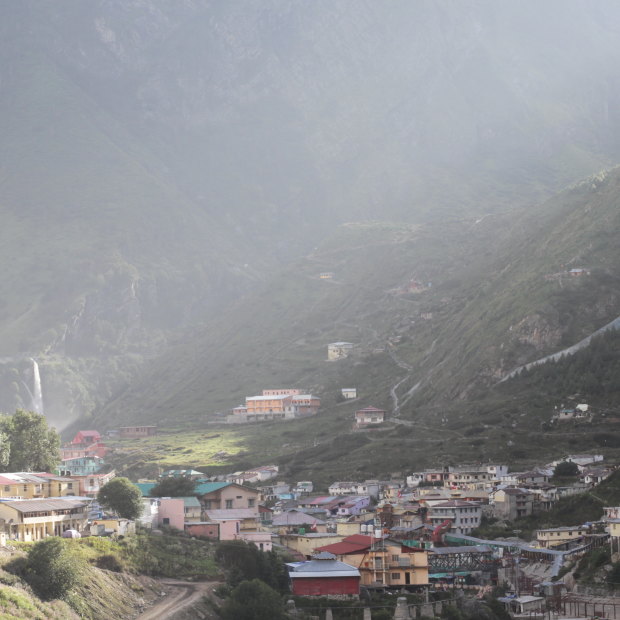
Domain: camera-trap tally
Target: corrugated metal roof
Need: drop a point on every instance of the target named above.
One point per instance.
(296, 517)
(323, 568)
(191, 502)
(232, 513)
(208, 487)
(145, 488)
(44, 505)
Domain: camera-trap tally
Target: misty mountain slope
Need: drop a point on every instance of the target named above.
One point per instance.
(490, 306)
(279, 335)
(526, 305)
(286, 111)
(160, 159)
(102, 256)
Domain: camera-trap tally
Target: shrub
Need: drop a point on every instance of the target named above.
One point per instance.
(253, 600)
(110, 562)
(52, 569)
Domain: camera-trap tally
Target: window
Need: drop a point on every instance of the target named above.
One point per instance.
(70, 485)
(208, 504)
(395, 558)
(396, 576)
(251, 502)
(7, 487)
(166, 521)
(229, 503)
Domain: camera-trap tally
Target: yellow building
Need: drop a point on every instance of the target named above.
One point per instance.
(33, 519)
(307, 543)
(388, 563)
(559, 535)
(116, 526)
(24, 485)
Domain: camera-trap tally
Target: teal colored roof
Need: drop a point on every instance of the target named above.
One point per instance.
(209, 487)
(191, 502)
(200, 489)
(145, 487)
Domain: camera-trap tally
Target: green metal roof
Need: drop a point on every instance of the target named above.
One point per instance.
(200, 489)
(209, 487)
(444, 575)
(145, 488)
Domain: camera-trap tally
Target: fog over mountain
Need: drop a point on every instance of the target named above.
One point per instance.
(161, 160)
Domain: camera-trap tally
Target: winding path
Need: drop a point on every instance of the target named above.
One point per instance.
(183, 594)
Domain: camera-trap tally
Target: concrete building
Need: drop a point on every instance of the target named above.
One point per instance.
(323, 575)
(512, 503)
(555, 536)
(465, 516)
(338, 350)
(34, 519)
(369, 416)
(137, 432)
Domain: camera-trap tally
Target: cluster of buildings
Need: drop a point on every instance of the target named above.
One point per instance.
(579, 413)
(36, 505)
(278, 404)
(83, 461)
(377, 534)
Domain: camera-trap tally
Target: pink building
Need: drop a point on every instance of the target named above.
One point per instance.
(172, 512)
(207, 529)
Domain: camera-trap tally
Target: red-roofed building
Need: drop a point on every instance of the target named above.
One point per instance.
(84, 444)
(86, 437)
(351, 549)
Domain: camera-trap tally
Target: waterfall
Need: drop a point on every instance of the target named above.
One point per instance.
(37, 397)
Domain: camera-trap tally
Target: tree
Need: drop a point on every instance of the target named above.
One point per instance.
(30, 445)
(121, 496)
(52, 569)
(174, 487)
(253, 600)
(244, 562)
(565, 469)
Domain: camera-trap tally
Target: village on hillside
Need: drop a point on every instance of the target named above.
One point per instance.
(416, 534)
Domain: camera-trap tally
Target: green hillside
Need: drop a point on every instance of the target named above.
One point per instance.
(174, 176)
(90, 239)
(486, 313)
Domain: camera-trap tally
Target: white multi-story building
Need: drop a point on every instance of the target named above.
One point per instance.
(465, 516)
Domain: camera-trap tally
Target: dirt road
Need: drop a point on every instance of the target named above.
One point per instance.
(182, 594)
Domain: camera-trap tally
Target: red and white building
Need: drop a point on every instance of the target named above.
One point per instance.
(369, 416)
(324, 576)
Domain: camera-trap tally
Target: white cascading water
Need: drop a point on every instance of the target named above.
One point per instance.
(37, 396)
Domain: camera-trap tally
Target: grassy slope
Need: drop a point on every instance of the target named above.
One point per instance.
(120, 590)
(104, 257)
(279, 337)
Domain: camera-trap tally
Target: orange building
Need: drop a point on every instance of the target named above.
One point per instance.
(279, 404)
(276, 404)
